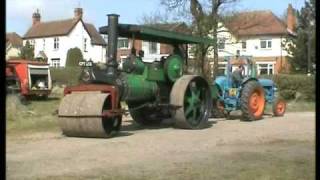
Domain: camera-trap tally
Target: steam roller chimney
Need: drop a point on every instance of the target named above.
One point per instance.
(112, 44)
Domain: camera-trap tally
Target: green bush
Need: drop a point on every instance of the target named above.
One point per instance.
(294, 86)
(74, 56)
(67, 76)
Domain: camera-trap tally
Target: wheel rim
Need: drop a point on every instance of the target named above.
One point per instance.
(256, 103)
(280, 107)
(194, 105)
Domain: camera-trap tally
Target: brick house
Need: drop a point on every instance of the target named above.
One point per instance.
(53, 39)
(259, 34)
(153, 51)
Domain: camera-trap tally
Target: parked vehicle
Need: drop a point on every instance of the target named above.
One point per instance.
(28, 78)
(250, 96)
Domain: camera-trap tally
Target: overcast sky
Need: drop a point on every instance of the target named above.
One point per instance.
(19, 12)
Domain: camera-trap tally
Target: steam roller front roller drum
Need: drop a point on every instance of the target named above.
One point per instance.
(80, 115)
(191, 94)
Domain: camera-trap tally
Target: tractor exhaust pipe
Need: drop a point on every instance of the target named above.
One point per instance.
(112, 44)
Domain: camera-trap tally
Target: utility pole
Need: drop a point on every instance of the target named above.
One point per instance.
(309, 47)
(309, 53)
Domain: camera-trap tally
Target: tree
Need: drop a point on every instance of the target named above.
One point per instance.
(303, 44)
(27, 51)
(74, 56)
(205, 21)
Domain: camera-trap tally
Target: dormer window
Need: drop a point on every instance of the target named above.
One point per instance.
(56, 43)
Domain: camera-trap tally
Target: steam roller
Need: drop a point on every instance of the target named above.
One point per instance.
(153, 91)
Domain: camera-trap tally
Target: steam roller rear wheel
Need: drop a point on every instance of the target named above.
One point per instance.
(191, 94)
(80, 115)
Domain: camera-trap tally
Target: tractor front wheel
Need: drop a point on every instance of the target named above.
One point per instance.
(252, 101)
(279, 107)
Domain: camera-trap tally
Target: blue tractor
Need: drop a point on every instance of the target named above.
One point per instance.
(249, 94)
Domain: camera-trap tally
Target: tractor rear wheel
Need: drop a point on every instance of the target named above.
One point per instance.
(279, 107)
(191, 95)
(252, 101)
(144, 116)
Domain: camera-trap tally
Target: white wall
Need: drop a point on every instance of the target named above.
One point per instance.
(74, 39)
(148, 56)
(12, 52)
(232, 44)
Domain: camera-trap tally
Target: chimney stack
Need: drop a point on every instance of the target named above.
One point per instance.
(36, 17)
(78, 13)
(291, 19)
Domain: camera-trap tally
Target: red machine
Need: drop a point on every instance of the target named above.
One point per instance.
(29, 78)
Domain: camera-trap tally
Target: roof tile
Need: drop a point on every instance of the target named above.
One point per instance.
(256, 23)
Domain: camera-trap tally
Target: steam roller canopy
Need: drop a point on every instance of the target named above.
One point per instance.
(80, 115)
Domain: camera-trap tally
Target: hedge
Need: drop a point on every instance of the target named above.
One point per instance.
(290, 86)
(295, 86)
(74, 56)
(67, 76)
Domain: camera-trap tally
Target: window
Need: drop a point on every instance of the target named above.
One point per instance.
(265, 68)
(153, 48)
(56, 43)
(85, 44)
(55, 62)
(221, 44)
(221, 69)
(244, 45)
(44, 44)
(32, 43)
(123, 43)
(265, 44)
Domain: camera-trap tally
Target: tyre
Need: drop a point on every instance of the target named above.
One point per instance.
(252, 101)
(191, 94)
(217, 109)
(279, 107)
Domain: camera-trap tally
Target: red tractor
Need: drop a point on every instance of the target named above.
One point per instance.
(28, 78)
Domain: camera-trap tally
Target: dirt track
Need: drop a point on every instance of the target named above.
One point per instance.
(229, 149)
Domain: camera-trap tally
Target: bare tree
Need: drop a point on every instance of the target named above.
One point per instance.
(206, 17)
(154, 18)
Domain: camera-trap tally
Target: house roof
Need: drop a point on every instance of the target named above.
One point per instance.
(60, 28)
(177, 27)
(14, 39)
(256, 23)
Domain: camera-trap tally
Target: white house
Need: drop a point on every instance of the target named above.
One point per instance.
(53, 39)
(259, 34)
(13, 45)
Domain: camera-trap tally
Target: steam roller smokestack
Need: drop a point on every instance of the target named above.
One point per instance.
(112, 43)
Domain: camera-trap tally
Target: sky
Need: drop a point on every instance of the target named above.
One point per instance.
(19, 12)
